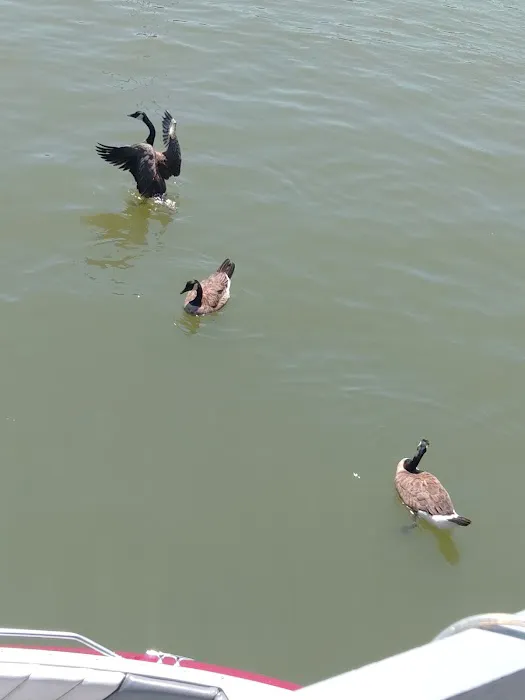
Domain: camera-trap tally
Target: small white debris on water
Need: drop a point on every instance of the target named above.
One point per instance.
(356, 475)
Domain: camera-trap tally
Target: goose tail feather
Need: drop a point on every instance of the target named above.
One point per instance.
(460, 520)
(228, 267)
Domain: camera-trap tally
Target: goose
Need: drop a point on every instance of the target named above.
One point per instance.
(150, 168)
(211, 294)
(424, 495)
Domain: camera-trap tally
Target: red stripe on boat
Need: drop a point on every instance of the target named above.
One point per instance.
(170, 660)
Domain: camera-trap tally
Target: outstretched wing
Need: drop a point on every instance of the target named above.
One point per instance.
(172, 153)
(140, 160)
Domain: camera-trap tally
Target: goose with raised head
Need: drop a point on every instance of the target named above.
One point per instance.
(424, 495)
(211, 294)
(149, 167)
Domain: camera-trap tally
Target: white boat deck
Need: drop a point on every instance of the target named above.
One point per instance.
(473, 664)
(37, 674)
(478, 659)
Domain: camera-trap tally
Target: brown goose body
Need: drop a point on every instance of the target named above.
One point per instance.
(212, 293)
(424, 495)
(149, 167)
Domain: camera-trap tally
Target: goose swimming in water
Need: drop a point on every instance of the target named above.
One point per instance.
(423, 494)
(211, 294)
(150, 168)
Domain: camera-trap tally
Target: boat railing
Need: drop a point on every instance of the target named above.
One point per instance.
(501, 623)
(162, 656)
(56, 634)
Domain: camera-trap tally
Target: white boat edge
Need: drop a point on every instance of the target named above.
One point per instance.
(33, 672)
(477, 658)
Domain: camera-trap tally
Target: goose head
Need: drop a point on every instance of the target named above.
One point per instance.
(191, 284)
(138, 115)
(410, 464)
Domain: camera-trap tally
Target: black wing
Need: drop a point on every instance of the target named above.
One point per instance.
(171, 142)
(140, 160)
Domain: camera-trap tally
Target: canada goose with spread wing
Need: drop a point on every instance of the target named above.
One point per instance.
(149, 167)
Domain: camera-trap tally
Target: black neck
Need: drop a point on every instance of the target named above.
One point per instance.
(151, 135)
(198, 297)
(412, 464)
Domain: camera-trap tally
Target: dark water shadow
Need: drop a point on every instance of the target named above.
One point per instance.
(130, 231)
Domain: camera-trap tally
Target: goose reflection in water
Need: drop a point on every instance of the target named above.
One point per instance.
(188, 324)
(445, 543)
(444, 540)
(129, 230)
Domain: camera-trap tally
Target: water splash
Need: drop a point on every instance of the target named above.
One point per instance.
(165, 202)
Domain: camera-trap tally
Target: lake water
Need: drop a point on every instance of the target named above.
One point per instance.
(223, 488)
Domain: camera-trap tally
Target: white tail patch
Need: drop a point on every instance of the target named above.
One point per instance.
(442, 522)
